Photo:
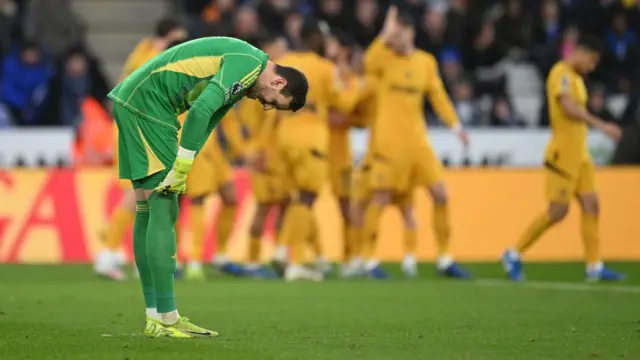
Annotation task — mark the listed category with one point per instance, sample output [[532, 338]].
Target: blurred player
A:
[[340, 159], [569, 169], [267, 183], [108, 261], [401, 156], [303, 141], [207, 77], [213, 173]]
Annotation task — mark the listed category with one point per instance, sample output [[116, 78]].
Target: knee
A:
[[590, 205], [439, 194], [356, 214], [410, 222], [228, 195], [307, 198], [197, 200], [382, 198], [345, 210], [258, 221], [557, 212]]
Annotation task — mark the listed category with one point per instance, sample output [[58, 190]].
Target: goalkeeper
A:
[[207, 77]]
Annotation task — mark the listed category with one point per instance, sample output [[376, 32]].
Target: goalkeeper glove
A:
[[176, 179]]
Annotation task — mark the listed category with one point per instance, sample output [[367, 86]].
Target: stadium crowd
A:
[[47, 69]]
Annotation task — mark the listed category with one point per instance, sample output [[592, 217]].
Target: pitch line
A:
[[561, 286]]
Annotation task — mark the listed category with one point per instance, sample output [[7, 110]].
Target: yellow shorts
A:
[[304, 168], [210, 170], [565, 182], [401, 172], [269, 187]]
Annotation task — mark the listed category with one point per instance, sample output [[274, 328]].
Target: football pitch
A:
[[65, 312]]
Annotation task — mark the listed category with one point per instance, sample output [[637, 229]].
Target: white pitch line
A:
[[562, 286], [121, 335]]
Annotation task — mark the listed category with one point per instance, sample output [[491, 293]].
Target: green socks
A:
[[161, 248], [140, 252]]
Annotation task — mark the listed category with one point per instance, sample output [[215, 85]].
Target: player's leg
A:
[[590, 206], [409, 263], [308, 167], [225, 222], [255, 267], [281, 251], [109, 261], [431, 173], [197, 225], [359, 198], [559, 185]]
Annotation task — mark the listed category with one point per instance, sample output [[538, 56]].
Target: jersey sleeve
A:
[[559, 83], [237, 73], [434, 89]]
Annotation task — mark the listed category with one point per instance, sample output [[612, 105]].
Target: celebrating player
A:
[[108, 261], [303, 140], [402, 157], [569, 169], [207, 77]]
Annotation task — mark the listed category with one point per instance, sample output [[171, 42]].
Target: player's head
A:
[[341, 45], [313, 35], [405, 37], [586, 55], [282, 88], [170, 30], [274, 44]]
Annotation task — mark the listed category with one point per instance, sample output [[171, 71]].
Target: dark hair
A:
[[344, 39], [165, 26], [406, 19], [267, 38], [311, 27], [590, 43], [28, 45], [297, 86]]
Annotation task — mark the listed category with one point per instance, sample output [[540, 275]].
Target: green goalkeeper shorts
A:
[[146, 148]]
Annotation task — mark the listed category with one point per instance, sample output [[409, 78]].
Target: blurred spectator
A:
[[210, 18], [467, 108], [54, 25], [597, 104], [620, 61], [503, 114], [450, 67], [7, 24], [74, 87], [457, 22], [334, 12], [292, 26], [367, 23], [431, 34], [484, 58], [273, 12], [514, 28], [246, 25], [548, 28], [26, 74]]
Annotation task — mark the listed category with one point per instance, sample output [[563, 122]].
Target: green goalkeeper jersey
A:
[[206, 76]]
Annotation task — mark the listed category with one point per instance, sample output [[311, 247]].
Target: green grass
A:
[[64, 312]]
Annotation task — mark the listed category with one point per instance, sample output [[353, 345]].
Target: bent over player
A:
[[569, 169], [207, 77]]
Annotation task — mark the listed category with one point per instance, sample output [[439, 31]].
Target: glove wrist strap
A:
[[186, 154]]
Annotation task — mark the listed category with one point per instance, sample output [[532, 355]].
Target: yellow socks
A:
[[226, 218], [255, 245], [197, 232], [355, 241], [590, 237], [410, 241], [298, 226], [121, 220], [442, 228], [370, 231], [346, 242], [314, 239], [533, 232]]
